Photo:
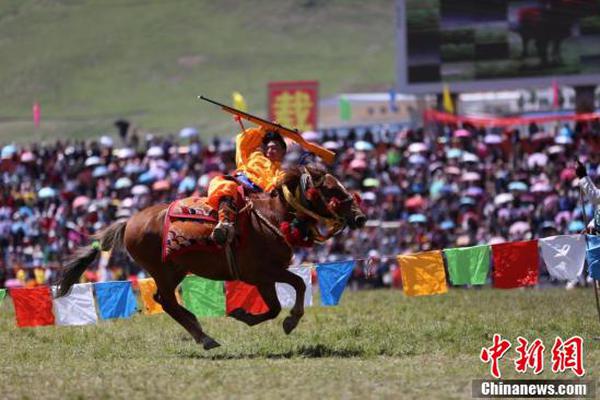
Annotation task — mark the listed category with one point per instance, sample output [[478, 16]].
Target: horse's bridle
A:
[[300, 201]]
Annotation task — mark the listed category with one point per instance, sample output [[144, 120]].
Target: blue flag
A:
[[115, 299], [332, 280], [593, 256]]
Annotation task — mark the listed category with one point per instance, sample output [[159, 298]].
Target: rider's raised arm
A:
[[592, 193], [246, 143]]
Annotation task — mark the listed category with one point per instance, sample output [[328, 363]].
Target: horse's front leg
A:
[[297, 311]]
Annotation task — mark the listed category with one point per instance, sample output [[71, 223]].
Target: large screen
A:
[[496, 44]]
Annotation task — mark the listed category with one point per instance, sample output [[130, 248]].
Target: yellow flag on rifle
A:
[[239, 102], [447, 100]]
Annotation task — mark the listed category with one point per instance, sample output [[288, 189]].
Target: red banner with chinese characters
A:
[[443, 117], [294, 104]]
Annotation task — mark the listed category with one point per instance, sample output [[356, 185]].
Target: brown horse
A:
[[263, 255]]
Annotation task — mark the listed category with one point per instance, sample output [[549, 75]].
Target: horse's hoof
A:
[[289, 324], [209, 343]]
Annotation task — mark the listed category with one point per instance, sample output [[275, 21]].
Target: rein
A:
[[335, 225]]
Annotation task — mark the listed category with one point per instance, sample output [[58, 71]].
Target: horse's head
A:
[[319, 195]]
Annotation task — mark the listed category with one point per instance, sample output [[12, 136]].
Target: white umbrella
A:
[[541, 188], [155, 151], [93, 161], [46, 192], [106, 141], [331, 145], [126, 153], [492, 139], [469, 157], [188, 132], [311, 136], [362, 145], [417, 159], [122, 183], [539, 159], [563, 140], [556, 149], [503, 198], [417, 147], [139, 190]]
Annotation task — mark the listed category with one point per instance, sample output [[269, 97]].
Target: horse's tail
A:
[[109, 238]]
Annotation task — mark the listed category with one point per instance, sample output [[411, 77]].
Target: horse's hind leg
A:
[[166, 297], [269, 295]]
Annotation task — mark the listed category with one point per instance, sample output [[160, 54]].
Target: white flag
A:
[[287, 295], [564, 255], [77, 307]]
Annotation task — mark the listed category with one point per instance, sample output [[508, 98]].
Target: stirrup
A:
[[223, 233]]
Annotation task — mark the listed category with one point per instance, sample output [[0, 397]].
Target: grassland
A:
[[376, 344], [89, 62]]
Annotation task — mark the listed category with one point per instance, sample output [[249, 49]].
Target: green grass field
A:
[[89, 62], [376, 344]]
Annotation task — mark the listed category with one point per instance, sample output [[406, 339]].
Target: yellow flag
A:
[[147, 290], [239, 102], [423, 273], [447, 100]]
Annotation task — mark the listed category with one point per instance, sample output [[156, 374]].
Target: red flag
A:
[[33, 306], [37, 114], [242, 295], [555, 95], [515, 264]]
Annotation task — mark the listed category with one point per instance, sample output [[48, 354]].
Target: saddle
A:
[[189, 223]]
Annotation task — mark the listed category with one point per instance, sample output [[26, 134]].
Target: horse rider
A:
[[258, 158], [592, 194]]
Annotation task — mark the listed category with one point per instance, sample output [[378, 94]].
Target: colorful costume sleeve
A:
[[247, 143], [253, 163]]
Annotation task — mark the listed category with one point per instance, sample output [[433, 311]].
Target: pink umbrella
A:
[[541, 188], [462, 133], [452, 170], [415, 202], [13, 283], [567, 174], [519, 227], [161, 185], [358, 164], [27, 157], [81, 201], [471, 177]]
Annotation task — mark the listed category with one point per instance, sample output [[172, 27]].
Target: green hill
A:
[[90, 62]]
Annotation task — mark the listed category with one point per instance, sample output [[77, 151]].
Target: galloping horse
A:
[[263, 255]]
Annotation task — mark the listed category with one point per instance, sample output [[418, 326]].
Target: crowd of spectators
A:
[[430, 188]]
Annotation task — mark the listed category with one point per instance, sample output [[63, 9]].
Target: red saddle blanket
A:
[[187, 227]]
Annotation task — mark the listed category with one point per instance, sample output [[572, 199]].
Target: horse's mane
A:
[[293, 174]]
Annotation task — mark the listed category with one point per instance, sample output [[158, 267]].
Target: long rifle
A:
[[327, 155]]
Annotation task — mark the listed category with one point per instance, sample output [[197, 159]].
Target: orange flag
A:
[[147, 290], [423, 273]]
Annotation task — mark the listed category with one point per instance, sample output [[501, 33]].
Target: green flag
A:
[[203, 297], [468, 265], [345, 109], [2, 295]]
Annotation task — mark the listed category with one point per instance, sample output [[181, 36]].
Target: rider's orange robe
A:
[[250, 161]]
